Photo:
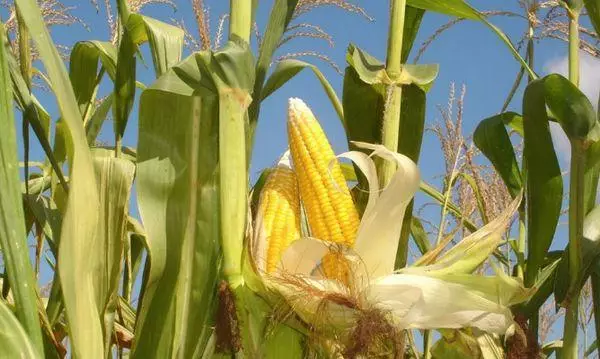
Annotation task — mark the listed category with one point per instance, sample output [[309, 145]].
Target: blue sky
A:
[[468, 54]]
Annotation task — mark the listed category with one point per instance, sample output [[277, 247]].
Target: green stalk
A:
[[25, 65], [521, 244], [574, 46], [576, 215], [234, 183], [124, 12], [24, 51], [240, 19], [576, 203], [596, 301], [391, 117], [427, 339]]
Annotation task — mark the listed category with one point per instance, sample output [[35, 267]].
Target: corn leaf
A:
[[412, 23], [590, 249], [165, 40], [94, 125], [178, 192], [83, 72], [461, 9], [596, 301], [592, 174], [115, 177], [544, 181], [493, 141], [92, 51], [569, 106], [79, 224], [287, 69], [419, 235], [456, 344], [593, 10], [13, 338], [281, 15], [470, 181], [364, 100], [166, 46], [124, 84], [37, 116], [544, 286], [13, 239]]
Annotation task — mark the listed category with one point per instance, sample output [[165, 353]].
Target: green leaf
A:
[[13, 339], [544, 286], [13, 239], [369, 69], [544, 180], [590, 249], [412, 24], [570, 106], [83, 72], [115, 177], [477, 193], [364, 98], [412, 126], [592, 174], [48, 216], [596, 302], [124, 87], [456, 344], [593, 10], [94, 125], [493, 141], [461, 9], [79, 223], [457, 8], [36, 115], [279, 19], [178, 191], [166, 46], [419, 235], [287, 69], [106, 52], [165, 40], [420, 75]]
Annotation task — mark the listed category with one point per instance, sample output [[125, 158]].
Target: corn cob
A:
[[279, 217], [335, 266], [331, 213]]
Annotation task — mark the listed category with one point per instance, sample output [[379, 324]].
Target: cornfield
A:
[[170, 248]]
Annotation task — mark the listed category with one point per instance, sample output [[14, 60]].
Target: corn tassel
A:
[[278, 217]]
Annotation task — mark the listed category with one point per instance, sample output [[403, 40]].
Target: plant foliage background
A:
[[475, 82]]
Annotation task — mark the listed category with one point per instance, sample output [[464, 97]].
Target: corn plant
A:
[[309, 261]]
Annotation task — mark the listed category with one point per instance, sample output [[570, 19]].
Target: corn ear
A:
[[330, 211], [278, 217]]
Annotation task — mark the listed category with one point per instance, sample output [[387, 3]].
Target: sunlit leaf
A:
[[493, 141], [13, 239], [544, 179], [79, 223]]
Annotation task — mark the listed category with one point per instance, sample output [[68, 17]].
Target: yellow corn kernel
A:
[[335, 266], [279, 217], [330, 211]]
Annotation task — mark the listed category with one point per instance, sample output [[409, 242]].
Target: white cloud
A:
[[589, 79]]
